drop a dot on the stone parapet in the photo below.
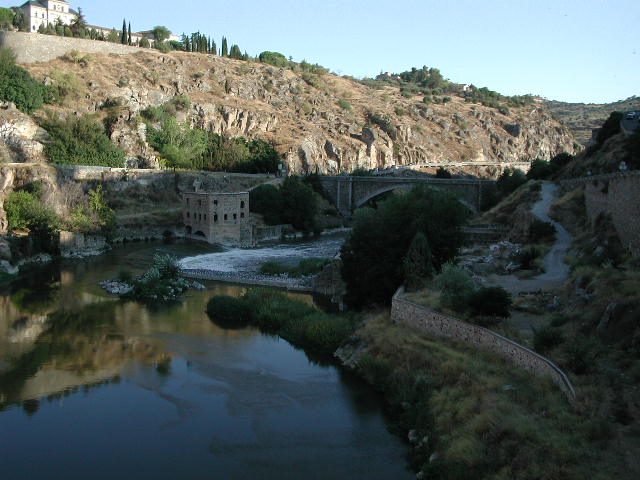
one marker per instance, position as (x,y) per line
(429,321)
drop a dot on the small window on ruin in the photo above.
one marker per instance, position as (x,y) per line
(215,202)
(205,216)
(235,216)
(187,201)
(199,203)
(188,215)
(242,204)
(242,215)
(215,218)
(225,216)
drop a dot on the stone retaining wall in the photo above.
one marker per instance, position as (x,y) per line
(429,321)
(618,196)
(35,47)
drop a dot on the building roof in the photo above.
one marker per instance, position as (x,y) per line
(43,4)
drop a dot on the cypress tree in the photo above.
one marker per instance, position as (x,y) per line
(418,265)
(214,48)
(225,47)
(129,35)
(123,34)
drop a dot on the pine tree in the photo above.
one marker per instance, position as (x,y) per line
(418,265)
(123,34)
(225,48)
(214,48)
(129,36)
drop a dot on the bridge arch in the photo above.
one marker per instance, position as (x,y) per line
(407,187)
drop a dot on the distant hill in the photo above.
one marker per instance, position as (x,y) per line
(582,118)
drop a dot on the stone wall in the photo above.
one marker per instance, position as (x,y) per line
(434,323)
(34,47)
(618,196)
(75,243)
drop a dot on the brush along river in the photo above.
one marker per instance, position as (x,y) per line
(93,387)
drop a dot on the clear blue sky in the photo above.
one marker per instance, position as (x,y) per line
(570,50)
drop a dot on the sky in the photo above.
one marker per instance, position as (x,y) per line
(584,51)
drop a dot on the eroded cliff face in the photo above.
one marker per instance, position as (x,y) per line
(319,123)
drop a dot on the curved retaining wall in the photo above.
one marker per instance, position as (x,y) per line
(429,321)
(35,47)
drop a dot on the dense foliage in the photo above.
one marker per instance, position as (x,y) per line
(18,86)
(181,146)
(273,312)
(162,282)
(374,253)
(306,267)
(25,210)
(81,141)
(293,202)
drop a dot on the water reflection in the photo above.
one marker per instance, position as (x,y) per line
(166,393)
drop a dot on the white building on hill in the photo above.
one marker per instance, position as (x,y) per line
(47,12)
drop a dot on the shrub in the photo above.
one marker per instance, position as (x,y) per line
(267,200)
(274,58)
(418,266)
(385,124)
(345,105)
(443,173)
(18,86)
(539,230)
(540,170)
(229,312)
(457,286)
(81,141)
(490,301)
(545,338)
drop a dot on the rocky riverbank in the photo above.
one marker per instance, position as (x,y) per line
(302,284)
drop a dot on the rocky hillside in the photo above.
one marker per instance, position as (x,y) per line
(319,123)
(583,118)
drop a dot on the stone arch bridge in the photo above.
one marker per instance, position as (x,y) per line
(350,193)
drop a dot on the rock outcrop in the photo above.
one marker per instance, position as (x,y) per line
(319,123)
(21,139)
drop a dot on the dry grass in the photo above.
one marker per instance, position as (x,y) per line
(482,417)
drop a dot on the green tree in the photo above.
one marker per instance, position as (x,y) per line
(6,17)
(178,144)
(20,21)
(98,205)
(129,35)
(418,266)
(299,204)
(267,201)
(79,24)
(236,53)
(539,170)
(225,48)
(123,32)
(113,36)
(373,255)
(510,180)
(274,58)
(25,210)
(144,42)
(161,33)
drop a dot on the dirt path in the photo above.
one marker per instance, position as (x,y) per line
(556,270)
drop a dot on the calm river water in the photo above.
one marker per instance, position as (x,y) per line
(91,387)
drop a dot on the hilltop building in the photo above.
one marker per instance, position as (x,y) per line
(51,12)
(47,12)
(218,217)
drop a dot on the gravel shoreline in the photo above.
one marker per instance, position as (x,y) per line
(294,284)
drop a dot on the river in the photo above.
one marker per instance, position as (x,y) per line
(92,387)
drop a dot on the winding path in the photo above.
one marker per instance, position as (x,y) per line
(556,270)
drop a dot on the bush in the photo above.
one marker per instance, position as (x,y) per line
(345,105)
(443,173)
(490,301)
(545,338)
(274,58)
(510,180)
(418,266)
(306,267)
(18,86)
(81,141)
(24,210)
(540,230)
(229,312)
(385,124)
(456,286)
(540,170)
(267,200)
